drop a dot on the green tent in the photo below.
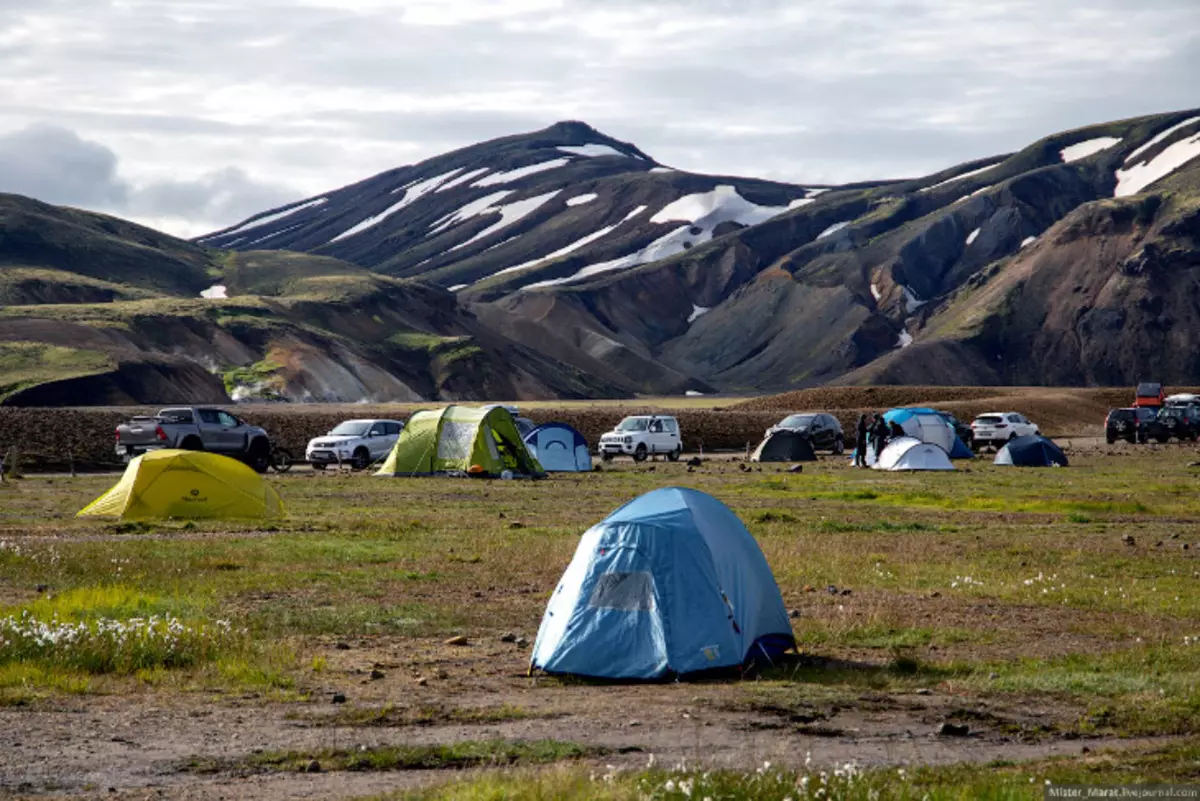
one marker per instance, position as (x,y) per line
(460,439)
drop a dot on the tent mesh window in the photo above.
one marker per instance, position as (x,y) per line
(456,440)
(627,592)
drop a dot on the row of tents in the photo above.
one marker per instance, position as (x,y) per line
(930,443)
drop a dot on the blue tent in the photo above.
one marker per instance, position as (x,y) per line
(1033,451)
(671,583)
(559,448)
(957,450)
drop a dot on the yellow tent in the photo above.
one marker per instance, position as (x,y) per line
(192,484)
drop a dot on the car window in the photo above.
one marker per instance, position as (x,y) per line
(392,429)
(378,430)
(656,427)
(633,424)
(177,415)
(209,416)
(670,426)
(988,419)
(227,419)
(797,421)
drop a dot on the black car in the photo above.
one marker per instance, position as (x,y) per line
(824,432)
(962,429)
(1181,422)
(1137,424)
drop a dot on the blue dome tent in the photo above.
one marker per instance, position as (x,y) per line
(671,583)
(1034,451)
(559,448)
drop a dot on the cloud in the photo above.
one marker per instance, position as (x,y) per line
(56,165)
(211,105)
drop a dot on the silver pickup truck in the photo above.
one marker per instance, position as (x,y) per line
(197,428)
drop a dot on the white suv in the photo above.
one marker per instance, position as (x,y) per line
(641,437)
(997,428)
(354,442)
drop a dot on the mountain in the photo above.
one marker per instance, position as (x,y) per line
(101,311)
(1013,268)
(566,263)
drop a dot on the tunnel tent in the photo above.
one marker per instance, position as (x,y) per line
(559,448)
(461,440)
(189,485)
(910,453)
(670,584)
(1032,451)
(784,445)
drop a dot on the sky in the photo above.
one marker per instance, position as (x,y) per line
(190,115)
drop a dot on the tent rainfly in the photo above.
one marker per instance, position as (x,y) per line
(670,584)
(784,445)
(460,440)
(187,484)
(1033,451)
(559,448)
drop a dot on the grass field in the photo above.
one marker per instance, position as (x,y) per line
(207,656)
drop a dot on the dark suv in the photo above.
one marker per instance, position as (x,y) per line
(1181,422)
(1136,424)
(823,431)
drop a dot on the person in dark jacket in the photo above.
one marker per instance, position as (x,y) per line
(860,441)
(897,430)
(881,435)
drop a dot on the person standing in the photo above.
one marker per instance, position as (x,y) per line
(881,435)
(860,441)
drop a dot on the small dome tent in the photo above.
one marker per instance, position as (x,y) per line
(559,448)
(461,440)
(784,445)
(925,425)
(187,484)
(671,583)
(1034,451)
(909,453)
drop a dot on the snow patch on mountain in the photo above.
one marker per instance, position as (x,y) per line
(698,311)
(472,209)
(905,340)
(1081,150)
(462,179)
(707,210)
(581,199)
(271,235)
(831,230)
(800,201)
(960,177)
(412,193)
(510,214)
(1161,137)
(875,293)
(270,218)
(667,245)
(661,169)
(574,246)
(592,151)
(216,292)
(971,237)
(1027,241)
(1171,158)
(456,287)
(911,301)
(414,189)
(521,172)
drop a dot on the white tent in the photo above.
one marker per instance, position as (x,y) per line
(930,428)
(909,453)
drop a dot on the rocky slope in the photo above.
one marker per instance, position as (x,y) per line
(602,258)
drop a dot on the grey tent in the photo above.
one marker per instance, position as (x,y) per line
(783,445)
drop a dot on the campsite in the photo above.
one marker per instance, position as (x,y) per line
(378,638)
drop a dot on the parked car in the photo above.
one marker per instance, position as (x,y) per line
(356,442)
(1181,422)
(195,428)
(1149,393)
(997,428)
(824,431)
(963,430)
(1182,399)
(643,436)
(1134,424)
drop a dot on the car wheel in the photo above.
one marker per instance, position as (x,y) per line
(1012,436)
(606,457)
(1163,437)
(192,444)
(839,446)
(675,454)
(281,460)
(1111,438)
(259,457)
(639,454)
(361,459)
(318,465)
